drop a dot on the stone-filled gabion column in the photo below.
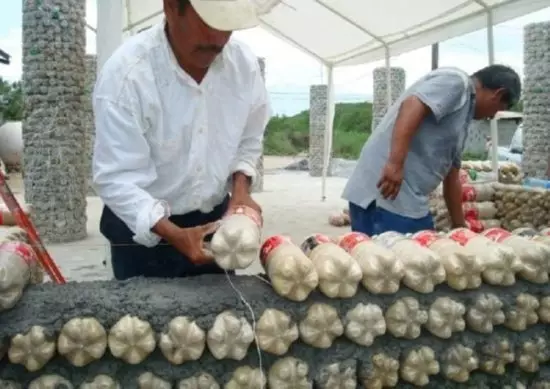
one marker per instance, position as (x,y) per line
(53,132)
(318,95)
(380,94)
(91,72)
(536,97)
(260,165)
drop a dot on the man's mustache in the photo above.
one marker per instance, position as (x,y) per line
(209,48)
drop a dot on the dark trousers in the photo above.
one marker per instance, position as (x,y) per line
(130,259)
(375,221)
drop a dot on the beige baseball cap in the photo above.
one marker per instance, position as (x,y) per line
(227,15)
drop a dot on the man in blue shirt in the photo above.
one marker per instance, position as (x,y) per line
(419,143)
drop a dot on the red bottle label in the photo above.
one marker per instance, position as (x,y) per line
(271,244)
(496,234)
(247,211)
(352,239)
(21,249)
(468,193)
(462,235)
(425,238)
(470,210)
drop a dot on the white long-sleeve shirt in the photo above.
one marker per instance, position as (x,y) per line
(164,143)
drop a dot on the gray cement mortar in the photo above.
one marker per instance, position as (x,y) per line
(536,87)
(204,297)
(380,91)
(54,41)
(88,121)
(318,96)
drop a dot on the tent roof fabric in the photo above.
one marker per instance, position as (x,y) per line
(352,32)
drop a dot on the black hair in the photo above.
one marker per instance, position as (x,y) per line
(182,4)
(500,76)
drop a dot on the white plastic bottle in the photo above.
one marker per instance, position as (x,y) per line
(382,270)
(339,273)
(16,262)
(237,241)
(462,268)
(291,272)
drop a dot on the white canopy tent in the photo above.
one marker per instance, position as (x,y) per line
(341,32)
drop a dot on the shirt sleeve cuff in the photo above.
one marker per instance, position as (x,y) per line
(146,219)
(248,170)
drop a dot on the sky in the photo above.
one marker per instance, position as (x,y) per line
(290,72)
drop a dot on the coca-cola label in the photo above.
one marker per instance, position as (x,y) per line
(462,235)
(312,241)
(468,193)
(470,210)
(496,234)
(352,239)
(247,211)
(426,237)
(271,244)
(475,224)
(21,249)
(525,232)
(389,239)
(545,232)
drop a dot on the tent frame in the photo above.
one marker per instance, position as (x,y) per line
(110,32)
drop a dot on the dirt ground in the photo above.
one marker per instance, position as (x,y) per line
(291,203)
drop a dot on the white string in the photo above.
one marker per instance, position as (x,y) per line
(262,279)
(253,322)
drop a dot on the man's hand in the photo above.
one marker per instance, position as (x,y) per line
(188,241)
(390,182)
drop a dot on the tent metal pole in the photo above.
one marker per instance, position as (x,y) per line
(328,130)
(494,124)
(109,29)
(388,77)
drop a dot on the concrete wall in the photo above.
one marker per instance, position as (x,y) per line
(53,129)
(405,326)
(380,94)
(318,95)
(91,73)
(536,95)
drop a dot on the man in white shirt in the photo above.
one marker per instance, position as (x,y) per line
(180,113)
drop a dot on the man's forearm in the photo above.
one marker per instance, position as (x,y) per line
(165,229)
(411,114)
(241,184)
(452,193)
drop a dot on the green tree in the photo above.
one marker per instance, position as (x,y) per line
(11,100)
(290,135)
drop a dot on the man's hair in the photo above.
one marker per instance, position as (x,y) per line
(182,4)
(500,76)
